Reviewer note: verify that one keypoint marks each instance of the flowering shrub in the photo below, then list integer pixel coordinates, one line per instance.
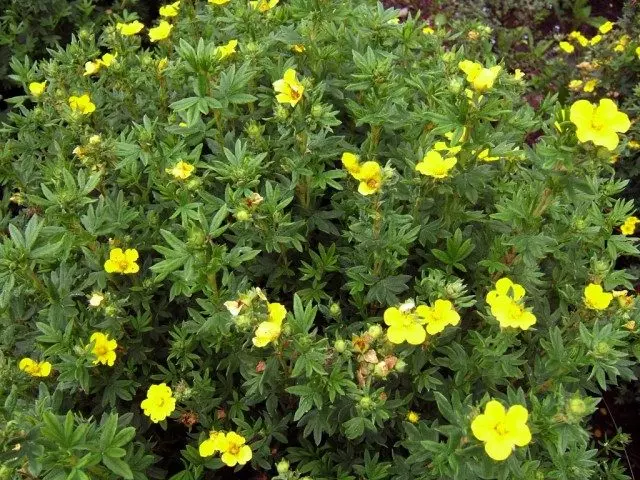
(260, 237)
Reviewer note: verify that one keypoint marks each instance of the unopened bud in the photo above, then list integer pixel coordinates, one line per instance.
(375, 331)
(282, 467)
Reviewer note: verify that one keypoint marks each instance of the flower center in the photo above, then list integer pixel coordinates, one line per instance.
(295, 94)
(234, 449)
(501, 429)
(372, 183)
(101, 350)
(123, 265)
(515, 311)
(597, 123)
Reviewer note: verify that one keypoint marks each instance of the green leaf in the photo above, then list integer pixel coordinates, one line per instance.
(117, 466)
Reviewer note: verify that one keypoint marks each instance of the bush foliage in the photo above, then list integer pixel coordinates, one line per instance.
(307, 239)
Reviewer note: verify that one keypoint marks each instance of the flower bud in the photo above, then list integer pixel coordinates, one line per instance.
(334, 310)
(400, 366)
(381, 369)
(366, 402)
(282, 467)
(577, 406)
(242, 215)
(455, 85)
(375, 331)
(316, 110)
(340, 345)
(602, 348)
(281, 112)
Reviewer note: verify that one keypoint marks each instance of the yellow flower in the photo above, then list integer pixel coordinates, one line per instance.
(96, 299)
(575, 84)
(91, 67)
(624, 299)
(228, 49)
(433, 165)
(213, 444)
(463, 137)
(633, 144)
(428, 30)
(629, 226)
(37, 88)
(122, 262)
(599, 123)
(170, 10)
(35, 369)
(501, 430)
(103, 348)
(162, 64)
(289, 89)
(108, 59)
(351, 163)
(596, 298)
(507, 305)
(181, 170)
(270, 330)
(606, 27)
(159, 402)
(370, 177)
(518, 74)
(481, 79)
(404, 326)
(413, 417)
(439, 316)
(234, 450)
(638, 51)
(82, 104)
(566, 47)
(94, 139)
(621, 44)
(442, 147)
(162, 31)
(128, 29)
(581, 39)
(298, 48)
(630, 325)
(263, 5)
(219, 2)
(590, 85)
(595, 40)
(484, 156)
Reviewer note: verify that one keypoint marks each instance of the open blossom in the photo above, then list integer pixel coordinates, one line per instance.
(269, 330)
(234, 451)
(501, 430)
(351, 163)
(34, 368)
(600, 123)
(405, 325)
(122, 262)
(82, 104)
(37, 88)
(434, 165)
(219, 2)
(590, 85)
(606, 27)
(215, 443)
(161, 32)
(507, 305)
(103, 348)
(480, 78)
(288, 88)
(131, 28)
(413, 417)
(263, 5)
(629, 226)
(595, 298)
(228, 49)
(159, 403)
(170, 10)
(96, 299)
(437, 317)
(566, 47)
(181, 170)
(370, 177)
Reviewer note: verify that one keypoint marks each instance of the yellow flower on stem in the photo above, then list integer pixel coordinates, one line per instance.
(590, 85)
(34, 368)
(161, 32)
(269, 331)
(566, 47)
(575, 84)
(370, 177)
(621, 44)
(433, 165)
(234, 450)
(298, 48)
(159, 403)
(263, 5)
(122, 262)
(103, 348)
(480, 78)
(37, 88)
(606, 27)
(439, 316)
(595, 40)
(131, 28)
(108, 59)
(507, 305)
(90, 68)
(428, 30)
(595, 298)
(228, 49)
(82, 104)
(404, 326)
(518, 74)
(170, 10)
(351, 163)
(181, 170)
(413, 417)
(213, 444)
(501, 430)
(629, 226)
(599, 123)
(289, 89)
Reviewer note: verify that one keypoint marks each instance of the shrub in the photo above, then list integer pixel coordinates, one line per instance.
(327, 249)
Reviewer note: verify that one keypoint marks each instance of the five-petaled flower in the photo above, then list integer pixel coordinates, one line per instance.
(289, 89)
(507, 305)
(170, 10)
(441, 314)
(215, 443)
(269, 330)
(405, 324)
(434, 165)
(595, 298)
(131, 28)
(104, 349)
(234, 451)
(600, 123)
(82, 104)
(501, 430)
(226, 50)
(122, 262)
(629, 225)
(161, 32)
(159, 403)
(34, 368)
(370, 177)
(37, 88)
(181, 170)
(480, 78)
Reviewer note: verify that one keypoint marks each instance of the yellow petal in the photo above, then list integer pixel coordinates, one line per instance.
(498, 449)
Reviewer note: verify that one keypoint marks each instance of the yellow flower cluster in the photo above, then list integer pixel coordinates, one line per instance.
(600, 123)
(269, 330)
(369, 173)
(501, 430)
(35, 368)
(288, 88)
(579, 39)
(103, 349)
(122, 262)
(406, 322)
(629, 226)
(159, 403)
(595, 298)
(93, 67)
(480, 78)
(507, 305)
(231, 446)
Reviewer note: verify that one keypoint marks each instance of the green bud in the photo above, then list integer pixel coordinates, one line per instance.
(340, 345)
(281, 112)
(5, 473)
(579, 224)
(366, 402)
(316, 110)
(242, 216)
(335, 310)
(602, 348)
(600, 267)
(375, 331)
(401, 366)
(577, 406)
(254, 130)
(110, 311)
(282, 467)
(455, 85)
(194, 183)
(196, 238)
(454, 289)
